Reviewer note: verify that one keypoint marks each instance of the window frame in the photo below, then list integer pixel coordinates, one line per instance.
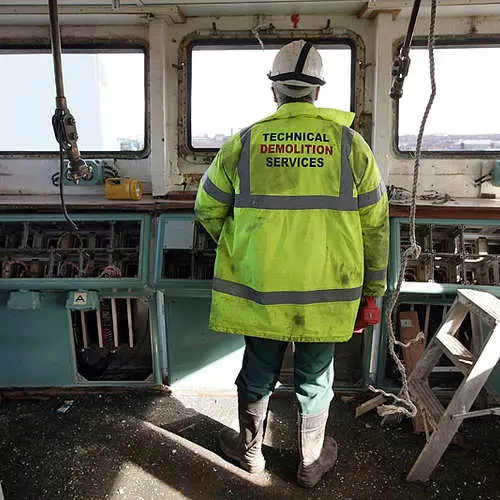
(246, 39)
(446, 41)
(86, 46)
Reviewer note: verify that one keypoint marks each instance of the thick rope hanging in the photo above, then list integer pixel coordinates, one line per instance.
(406, 405)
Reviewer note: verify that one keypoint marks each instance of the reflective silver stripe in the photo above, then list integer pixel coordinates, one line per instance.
(275, 298)
(271, 202)
(244, 163)
(346, 177)
(371, 197)
(215, 192)
(375, 275)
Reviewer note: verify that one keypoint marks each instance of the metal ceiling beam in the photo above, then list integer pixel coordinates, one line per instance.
(375, 7)
(171, 13)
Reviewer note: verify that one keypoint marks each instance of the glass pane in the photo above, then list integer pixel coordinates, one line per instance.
(464, 116)
(230, 89)
(105, 94)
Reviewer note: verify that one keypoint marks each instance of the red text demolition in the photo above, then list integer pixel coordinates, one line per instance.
(300, 149)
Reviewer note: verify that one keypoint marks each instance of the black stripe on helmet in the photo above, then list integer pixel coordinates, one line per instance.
(301, 61)
(299, 77)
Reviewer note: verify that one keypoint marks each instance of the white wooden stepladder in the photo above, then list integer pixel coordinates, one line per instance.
(475, 367)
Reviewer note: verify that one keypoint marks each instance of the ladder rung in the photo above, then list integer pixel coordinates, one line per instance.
(455, 347)
(446, 369)
(482, 303)
(427, 399)
(477, 413)
(457, 352)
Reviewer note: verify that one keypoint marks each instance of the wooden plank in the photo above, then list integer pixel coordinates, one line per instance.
(370, 405)
(477, 336)
(425, 398)
(460, 208)
(83, 317)
(485, 305)
(99, 329)
(130, 324)
(477, 345)
(455, 351)
(432, 354)
(409, 328)
(114, 315)
(461, 402)
(48, 202)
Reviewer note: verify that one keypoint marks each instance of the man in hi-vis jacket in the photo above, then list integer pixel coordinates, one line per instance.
(299, 210)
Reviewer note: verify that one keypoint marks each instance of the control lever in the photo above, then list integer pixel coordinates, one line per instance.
(63, 122)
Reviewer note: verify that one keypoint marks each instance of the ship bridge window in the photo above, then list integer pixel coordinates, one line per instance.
(464, 117)
(228, 88)
(105, 91)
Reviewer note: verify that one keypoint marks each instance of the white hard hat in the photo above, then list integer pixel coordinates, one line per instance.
(298, 64)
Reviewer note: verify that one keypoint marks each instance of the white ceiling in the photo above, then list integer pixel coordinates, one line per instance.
(249, 7)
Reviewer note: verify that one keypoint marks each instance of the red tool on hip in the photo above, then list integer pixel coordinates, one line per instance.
(368, 315)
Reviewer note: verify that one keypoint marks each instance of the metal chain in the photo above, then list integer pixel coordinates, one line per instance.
(407, 407)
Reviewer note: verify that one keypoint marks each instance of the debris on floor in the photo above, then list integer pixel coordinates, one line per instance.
(154, 446)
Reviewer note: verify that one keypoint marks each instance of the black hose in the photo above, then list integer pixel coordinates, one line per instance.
(61, 190)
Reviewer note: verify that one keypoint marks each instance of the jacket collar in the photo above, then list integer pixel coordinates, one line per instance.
(295, 109)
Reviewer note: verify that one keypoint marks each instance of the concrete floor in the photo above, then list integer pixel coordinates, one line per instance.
(140, 445)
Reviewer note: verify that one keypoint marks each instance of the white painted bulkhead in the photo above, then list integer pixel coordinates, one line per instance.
(162, 171)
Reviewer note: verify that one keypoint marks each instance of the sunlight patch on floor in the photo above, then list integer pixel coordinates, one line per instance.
(133, 481)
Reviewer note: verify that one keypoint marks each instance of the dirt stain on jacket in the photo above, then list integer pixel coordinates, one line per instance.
(299, 320)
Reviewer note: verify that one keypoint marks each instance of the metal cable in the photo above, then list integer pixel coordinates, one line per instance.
(407, 407)
(61, 191)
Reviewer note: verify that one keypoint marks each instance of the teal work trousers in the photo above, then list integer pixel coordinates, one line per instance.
(313, 372)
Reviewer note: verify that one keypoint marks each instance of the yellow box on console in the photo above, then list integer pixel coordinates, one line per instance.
(117, 188)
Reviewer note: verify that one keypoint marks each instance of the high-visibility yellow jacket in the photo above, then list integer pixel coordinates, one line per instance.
(298, 207)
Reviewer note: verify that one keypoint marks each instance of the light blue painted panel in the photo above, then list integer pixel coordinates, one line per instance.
(35, 346)
(199, 358)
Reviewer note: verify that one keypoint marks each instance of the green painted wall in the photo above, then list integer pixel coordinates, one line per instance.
(36, 348)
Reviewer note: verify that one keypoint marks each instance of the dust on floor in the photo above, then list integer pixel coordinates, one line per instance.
(142, 445)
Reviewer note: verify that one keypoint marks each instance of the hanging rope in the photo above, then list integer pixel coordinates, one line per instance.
(406, 405)
(420, 336)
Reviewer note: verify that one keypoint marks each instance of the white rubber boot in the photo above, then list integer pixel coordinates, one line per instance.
(318, 454)
(245, 447)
